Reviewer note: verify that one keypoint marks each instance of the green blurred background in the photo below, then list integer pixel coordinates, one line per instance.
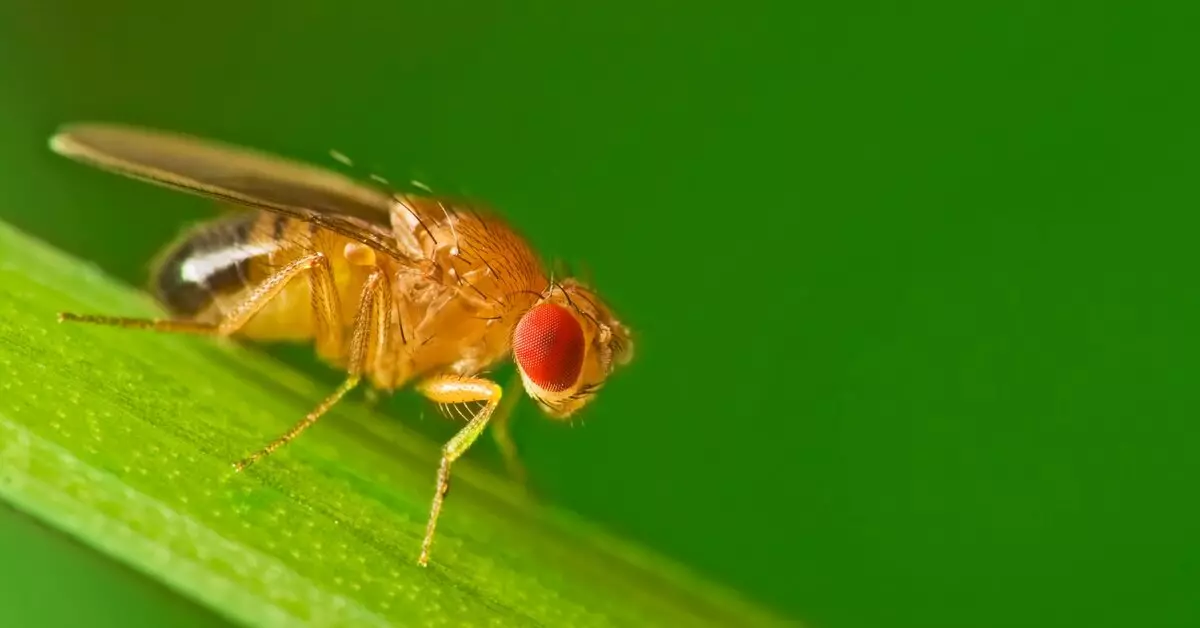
(914, 283)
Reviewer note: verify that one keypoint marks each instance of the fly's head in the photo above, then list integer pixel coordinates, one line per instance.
(566, 346)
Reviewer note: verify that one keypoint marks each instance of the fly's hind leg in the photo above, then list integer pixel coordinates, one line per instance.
(324, 300)
(455, 389)
(371, 321)
(328, 327)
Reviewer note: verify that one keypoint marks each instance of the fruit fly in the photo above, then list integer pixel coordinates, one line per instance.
(394, 288)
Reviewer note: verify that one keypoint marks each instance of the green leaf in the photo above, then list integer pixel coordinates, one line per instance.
(124, 439)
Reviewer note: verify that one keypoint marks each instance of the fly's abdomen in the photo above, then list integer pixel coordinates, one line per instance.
(212, 264)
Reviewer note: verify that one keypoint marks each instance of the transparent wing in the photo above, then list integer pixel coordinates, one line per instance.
(235, 175)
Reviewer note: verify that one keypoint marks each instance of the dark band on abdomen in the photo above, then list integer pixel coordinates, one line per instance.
(193, 273)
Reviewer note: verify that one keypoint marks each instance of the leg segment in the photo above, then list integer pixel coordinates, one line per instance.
(299, 427)
(382, 358)
(454, 389)
(267, 290)
(373, 317)
(365, 325)
(327, 311)
(503, 435)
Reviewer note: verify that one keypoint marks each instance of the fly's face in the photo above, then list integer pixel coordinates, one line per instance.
(566, 346)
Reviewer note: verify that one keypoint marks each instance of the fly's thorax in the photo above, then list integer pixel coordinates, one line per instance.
(455, 331)
(467, 246)
(470, 278)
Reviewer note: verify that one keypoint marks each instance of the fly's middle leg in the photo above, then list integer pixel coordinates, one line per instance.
(370, 338)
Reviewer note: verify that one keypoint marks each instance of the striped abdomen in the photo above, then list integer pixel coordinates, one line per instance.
(213, 270)
(211, 263)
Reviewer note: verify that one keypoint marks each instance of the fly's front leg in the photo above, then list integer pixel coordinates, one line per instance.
(369, 322)
(455, 389)
(502, 433)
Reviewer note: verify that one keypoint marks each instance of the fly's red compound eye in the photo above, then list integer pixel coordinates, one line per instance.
(548, 346)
